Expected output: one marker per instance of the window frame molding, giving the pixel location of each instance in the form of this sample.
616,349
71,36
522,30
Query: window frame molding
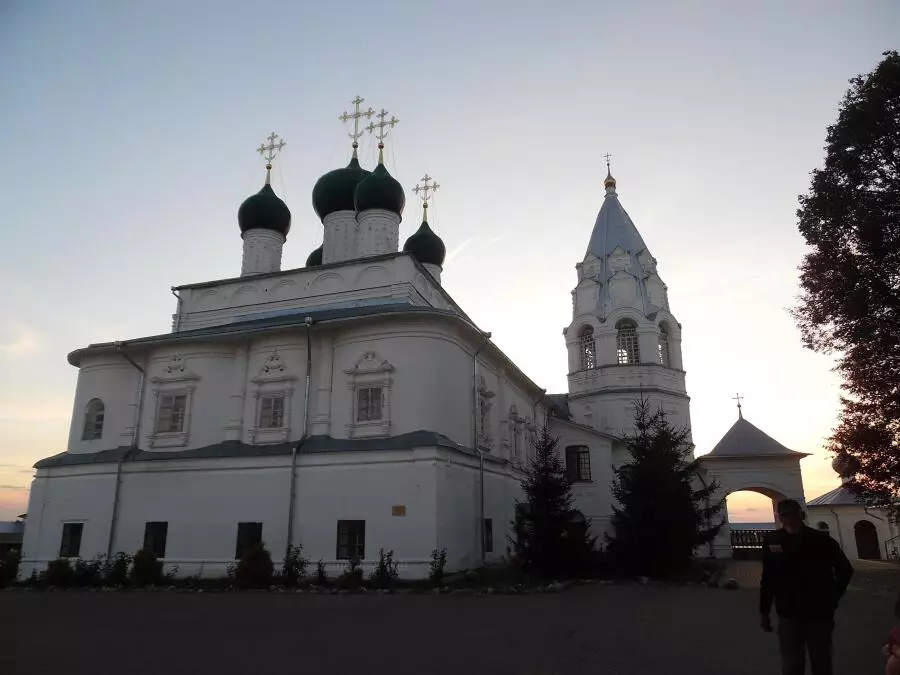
578,451
370,370
175,380
88,415
587,348
62,539
664,345
337,549
275,381
633,350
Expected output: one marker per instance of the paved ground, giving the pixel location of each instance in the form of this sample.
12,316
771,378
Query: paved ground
618,630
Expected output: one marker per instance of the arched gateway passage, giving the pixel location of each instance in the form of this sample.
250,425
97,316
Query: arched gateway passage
867,546
748,459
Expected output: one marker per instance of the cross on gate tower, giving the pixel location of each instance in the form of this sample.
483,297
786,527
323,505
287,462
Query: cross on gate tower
356,116
738,397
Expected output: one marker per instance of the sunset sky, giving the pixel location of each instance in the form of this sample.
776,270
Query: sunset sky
128,133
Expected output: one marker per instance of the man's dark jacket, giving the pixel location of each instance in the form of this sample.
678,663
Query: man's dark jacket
804,573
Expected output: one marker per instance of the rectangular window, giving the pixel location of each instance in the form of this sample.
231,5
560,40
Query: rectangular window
351,539
368,404
70,547
578,463
155,534
488,535
271,412
170,417
248,535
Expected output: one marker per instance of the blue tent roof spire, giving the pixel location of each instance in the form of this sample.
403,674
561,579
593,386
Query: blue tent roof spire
613,226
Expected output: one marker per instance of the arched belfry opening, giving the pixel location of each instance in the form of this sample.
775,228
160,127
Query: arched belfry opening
748,459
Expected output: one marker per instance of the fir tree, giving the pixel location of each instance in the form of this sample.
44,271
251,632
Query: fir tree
664,512
549,540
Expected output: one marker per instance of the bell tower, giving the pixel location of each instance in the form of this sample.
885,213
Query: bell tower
623,341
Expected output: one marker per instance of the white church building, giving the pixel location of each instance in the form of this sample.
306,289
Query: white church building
350,405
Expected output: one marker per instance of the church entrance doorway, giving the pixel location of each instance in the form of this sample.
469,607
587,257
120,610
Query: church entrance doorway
867,546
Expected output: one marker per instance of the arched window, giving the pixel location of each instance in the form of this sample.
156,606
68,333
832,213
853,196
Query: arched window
93,420
588,348
822,525
664,345
627,351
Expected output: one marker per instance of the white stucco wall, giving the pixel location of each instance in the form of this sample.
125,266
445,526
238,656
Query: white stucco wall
395,278
262,251
204,500
378,232
592,497
115,382
841,521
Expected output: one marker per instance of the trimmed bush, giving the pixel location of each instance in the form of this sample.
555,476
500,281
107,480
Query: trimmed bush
385,573
115,570
438,562
146,570
353,574
321,574
59,573
293,569
88,572
255,568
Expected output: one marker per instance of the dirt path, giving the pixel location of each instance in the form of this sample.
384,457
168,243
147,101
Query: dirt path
621,630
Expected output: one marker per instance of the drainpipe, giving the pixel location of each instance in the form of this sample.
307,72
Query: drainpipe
176,324
838,522
296,447
487,338
114,520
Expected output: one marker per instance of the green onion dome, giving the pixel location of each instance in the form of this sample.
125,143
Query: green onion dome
425,246
315,258
334,191
264,211
379,190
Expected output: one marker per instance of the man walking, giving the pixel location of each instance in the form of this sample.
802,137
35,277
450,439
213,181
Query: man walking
805,573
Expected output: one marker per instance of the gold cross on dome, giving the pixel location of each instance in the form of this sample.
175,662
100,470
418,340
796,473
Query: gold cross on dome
356,116
383,125
272,149
607,157
426,189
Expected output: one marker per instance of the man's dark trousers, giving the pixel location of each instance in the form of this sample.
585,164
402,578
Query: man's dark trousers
796,637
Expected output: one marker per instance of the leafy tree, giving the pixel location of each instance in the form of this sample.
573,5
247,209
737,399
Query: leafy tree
664,512
850,279
549,539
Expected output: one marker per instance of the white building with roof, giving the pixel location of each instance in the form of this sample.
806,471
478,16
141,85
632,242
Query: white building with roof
351,405
746,458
